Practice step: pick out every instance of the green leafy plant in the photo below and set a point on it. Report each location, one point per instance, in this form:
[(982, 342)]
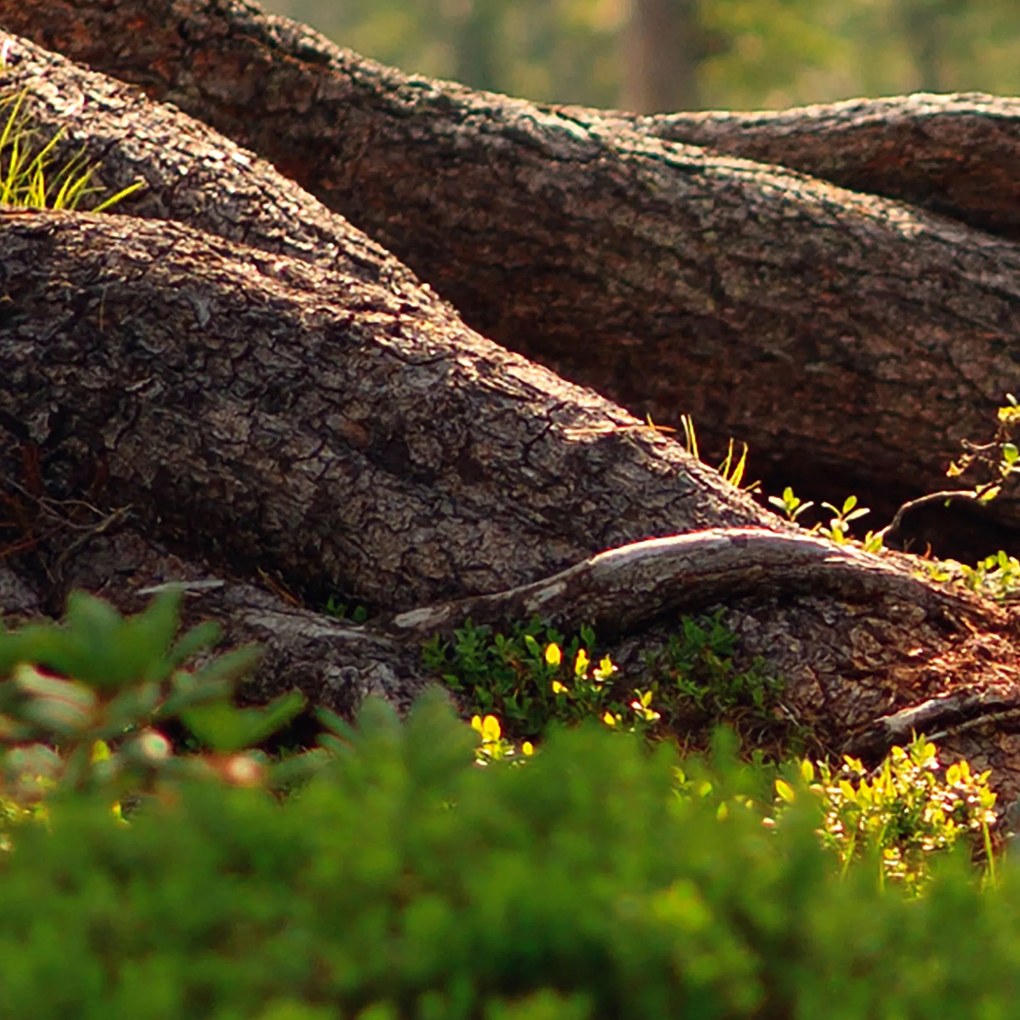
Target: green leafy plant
[(534, 676), (790, 505), (904, 811), (996, 576), (31, 175), (998, 460), (82, 703), (404, 881), (353, 612), (698, 683)]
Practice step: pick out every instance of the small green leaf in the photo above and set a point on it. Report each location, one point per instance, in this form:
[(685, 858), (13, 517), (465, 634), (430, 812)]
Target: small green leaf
[(227, 729)]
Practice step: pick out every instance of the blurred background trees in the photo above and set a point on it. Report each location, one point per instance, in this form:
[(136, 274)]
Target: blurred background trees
[(658, 55)]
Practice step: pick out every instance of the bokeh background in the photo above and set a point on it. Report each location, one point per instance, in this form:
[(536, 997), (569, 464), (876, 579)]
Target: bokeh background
[(658, 55)]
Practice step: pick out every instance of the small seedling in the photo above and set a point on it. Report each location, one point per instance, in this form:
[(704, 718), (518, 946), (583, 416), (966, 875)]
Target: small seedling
[(351, 612), (838, 528), (790, 505), (732, 467)]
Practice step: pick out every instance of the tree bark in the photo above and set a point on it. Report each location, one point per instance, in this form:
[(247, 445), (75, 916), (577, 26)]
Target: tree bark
[(952, 154), (235, 391), (321, 426), (853, 342), (247, 418)]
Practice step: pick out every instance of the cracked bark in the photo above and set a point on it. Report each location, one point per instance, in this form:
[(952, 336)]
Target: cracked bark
[(952, 154), (273, 395), (322, 426), (853, 341)]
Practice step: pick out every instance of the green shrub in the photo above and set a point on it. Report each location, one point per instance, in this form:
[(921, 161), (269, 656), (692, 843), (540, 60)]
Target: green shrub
[(698, 683), (403, 881), (602, 879), (534, 675), (84, 701), (906, 811)]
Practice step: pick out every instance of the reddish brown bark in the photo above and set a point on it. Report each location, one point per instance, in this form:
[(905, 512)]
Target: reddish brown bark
[(952, 154)]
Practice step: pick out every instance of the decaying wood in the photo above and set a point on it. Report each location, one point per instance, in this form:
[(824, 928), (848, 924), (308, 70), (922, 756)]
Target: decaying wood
[(847, 338)]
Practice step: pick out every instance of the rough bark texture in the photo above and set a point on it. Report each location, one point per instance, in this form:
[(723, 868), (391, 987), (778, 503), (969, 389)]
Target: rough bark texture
[(953, 154), (351, 441), (852, 341), (242, 391), (219, 399), (191, 173), (334, 664)]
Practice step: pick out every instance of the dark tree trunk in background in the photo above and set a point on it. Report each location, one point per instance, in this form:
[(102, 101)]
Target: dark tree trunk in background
[(230, 384), (660, 56), (928, 26), (852, 341), (478, 45)]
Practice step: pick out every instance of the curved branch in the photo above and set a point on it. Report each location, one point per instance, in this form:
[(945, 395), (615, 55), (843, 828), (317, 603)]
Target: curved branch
[(952, 713), (621, 588)]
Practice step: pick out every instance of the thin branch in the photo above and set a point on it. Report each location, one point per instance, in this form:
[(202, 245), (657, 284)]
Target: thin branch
[(945, 496)]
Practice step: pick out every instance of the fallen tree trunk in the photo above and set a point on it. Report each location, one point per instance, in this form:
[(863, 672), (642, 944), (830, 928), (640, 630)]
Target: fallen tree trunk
[(853, 342), (239, 411)]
